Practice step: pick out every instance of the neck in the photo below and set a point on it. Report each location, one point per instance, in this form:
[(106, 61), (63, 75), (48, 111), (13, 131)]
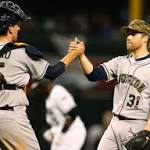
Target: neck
[(5, 39), (141, 52)]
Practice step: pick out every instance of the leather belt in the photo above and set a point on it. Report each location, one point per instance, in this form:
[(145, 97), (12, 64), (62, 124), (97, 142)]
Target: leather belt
[(10, 108), (125, 118), (8, 87)]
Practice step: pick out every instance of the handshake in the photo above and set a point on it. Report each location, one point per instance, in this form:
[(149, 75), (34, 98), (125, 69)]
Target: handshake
[(76, 49), (77, 46)]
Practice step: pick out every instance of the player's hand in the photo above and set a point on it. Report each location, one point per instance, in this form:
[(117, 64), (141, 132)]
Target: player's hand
[(58, 138), (48, 135), (77, 46)]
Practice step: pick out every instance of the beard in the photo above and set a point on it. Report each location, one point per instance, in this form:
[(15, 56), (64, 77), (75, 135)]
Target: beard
[(130, 48)]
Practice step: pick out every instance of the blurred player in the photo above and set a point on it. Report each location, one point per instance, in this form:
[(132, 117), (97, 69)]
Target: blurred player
[(19, 63), (132, 91), (67, 130)]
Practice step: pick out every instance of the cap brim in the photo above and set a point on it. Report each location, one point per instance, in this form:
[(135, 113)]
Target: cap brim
[(126, 29)]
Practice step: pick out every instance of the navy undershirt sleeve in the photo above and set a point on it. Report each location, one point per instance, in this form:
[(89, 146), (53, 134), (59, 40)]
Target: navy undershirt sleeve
[(98, 73), (53, 71)]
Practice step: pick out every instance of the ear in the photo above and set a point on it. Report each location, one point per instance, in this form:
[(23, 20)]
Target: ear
[(10, 29), (146, 38)]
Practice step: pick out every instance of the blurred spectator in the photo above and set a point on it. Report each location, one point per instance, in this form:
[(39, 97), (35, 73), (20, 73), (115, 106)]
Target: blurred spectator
[(80, 23), (102, 25)]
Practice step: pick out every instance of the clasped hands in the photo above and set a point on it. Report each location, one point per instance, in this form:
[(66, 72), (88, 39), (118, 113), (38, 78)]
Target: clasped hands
[(77, 46)]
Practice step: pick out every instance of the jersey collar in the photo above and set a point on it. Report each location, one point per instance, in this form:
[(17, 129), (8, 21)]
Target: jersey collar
[(145, 57)]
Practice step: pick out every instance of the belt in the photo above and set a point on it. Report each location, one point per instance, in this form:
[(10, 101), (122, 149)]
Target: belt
[(10, 108), (8, 87), (125, 118)]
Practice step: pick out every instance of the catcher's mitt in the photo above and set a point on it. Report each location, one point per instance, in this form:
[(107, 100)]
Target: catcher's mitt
[(139, 141)]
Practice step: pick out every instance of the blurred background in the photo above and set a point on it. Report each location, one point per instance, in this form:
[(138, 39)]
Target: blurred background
[(97, 23)]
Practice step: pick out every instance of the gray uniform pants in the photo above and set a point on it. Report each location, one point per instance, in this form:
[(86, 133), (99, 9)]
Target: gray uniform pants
[(118, 132), (16, 130)]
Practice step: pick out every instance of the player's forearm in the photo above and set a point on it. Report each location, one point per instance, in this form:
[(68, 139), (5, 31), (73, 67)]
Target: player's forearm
[(86, 65), (67, 60)]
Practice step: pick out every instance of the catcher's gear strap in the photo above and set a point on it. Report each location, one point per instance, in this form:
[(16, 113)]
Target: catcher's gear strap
[(53, 71), (98, 73), (8, 47), (30, 50), (33, 52)]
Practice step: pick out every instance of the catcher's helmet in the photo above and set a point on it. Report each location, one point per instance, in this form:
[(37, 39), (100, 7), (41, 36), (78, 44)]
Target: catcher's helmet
[(14, 8), (10, 14)]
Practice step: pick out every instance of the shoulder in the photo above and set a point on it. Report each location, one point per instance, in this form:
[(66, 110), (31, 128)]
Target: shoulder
[(32, 51), (119, 58), (122, 57), (11, 46)]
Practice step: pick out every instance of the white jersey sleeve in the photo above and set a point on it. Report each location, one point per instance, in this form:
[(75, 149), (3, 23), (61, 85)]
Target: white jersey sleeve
[(111, 67)]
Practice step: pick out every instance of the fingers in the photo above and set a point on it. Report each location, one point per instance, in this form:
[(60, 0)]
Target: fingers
[(48, 135), (77, 40), (77, 46), (72, 46)]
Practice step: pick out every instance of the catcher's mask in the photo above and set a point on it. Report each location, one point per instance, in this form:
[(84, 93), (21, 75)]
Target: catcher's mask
[(11, 14), (14, 8)]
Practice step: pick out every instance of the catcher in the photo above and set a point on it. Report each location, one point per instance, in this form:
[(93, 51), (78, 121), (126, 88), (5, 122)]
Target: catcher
[(20, 63)]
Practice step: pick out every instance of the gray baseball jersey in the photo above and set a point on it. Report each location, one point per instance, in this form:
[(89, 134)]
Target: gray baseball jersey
[(131, 99), (18, 69), (132, 91), (15, 126)]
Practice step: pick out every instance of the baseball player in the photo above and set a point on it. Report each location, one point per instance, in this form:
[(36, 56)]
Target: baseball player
[(67, 130), (131, 102), (19, 63)]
